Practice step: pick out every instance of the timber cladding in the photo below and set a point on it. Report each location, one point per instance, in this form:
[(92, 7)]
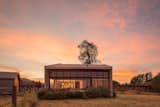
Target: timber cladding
[(6, 86), (8, 80), (9, 85), (78, 76)]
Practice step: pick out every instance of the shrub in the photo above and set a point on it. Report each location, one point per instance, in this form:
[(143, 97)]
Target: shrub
[(155, 83), (114, 95), (51, 94), (104, 92), (76, 94), (45, 94), (93, 92), (90, 92), (59, 94)]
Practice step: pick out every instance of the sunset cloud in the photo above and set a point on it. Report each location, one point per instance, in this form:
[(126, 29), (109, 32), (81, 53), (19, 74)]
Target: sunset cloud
[(124, 75), (34, 34)]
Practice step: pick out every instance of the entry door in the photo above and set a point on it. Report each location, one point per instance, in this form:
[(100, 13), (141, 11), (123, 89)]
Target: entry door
[(77, 84)]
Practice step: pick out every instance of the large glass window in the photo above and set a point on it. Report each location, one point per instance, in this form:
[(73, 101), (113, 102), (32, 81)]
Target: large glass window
[(67, 84)]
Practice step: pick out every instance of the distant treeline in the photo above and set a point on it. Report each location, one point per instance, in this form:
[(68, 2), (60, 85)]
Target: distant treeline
[(141, 82), (27, 84)]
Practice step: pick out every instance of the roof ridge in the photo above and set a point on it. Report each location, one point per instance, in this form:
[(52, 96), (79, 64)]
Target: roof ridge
[(78, 66)]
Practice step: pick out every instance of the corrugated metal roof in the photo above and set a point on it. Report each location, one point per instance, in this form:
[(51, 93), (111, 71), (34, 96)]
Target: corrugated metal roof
[(78, 66), (9, 75)]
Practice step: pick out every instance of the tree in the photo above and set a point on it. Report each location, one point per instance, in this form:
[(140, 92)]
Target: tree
[(154, 83), (141, 78), (148, 76), (116, 84), (88, 53)]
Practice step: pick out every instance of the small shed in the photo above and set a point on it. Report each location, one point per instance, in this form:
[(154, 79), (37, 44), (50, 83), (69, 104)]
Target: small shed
[(78, 76), (8, 80)]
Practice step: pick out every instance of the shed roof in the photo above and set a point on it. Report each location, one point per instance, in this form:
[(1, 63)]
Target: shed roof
[(78, 66), (9, 75)]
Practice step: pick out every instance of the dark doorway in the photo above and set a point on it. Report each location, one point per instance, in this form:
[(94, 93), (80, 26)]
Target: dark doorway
[(77, 84)]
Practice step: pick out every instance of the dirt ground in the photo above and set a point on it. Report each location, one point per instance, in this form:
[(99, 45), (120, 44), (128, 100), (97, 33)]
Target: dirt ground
[(122, 100)]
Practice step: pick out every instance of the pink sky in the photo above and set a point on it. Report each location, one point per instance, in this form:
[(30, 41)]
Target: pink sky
[(34, 34)]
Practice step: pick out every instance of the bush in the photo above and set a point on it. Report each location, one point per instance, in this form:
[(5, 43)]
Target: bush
[(114, 95), (51, 94), (77, 94), (104, 92), (155, 83), (93, 92), (90, 92), (45, 94), (59, 94)]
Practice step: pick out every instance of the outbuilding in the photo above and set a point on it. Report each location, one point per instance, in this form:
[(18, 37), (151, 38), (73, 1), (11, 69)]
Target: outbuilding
[(78, 76), (8, 80)]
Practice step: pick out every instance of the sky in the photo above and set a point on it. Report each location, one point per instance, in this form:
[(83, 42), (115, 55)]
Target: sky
[(35, 33)]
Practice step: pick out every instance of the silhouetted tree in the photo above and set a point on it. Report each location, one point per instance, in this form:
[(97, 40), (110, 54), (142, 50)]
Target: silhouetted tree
[(116, 84), (88, 53), (148, 76), (141, 78)]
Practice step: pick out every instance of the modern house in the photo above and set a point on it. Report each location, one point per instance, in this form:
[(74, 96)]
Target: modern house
[(8, 80), (78, 76)]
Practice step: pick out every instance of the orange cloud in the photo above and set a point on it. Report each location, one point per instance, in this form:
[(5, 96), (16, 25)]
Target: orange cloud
[(31, 53), (129, 49), (104, 16), (29, 39), (39, 46), (8, 69), (4, 68), (123, 75)]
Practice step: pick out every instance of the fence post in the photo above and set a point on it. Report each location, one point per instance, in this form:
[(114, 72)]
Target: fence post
[(14, 96)]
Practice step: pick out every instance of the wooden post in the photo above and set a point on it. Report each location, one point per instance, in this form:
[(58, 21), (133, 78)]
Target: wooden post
[(47, 79), (90, 84), (110, 83), (14, 96), (55, 84)]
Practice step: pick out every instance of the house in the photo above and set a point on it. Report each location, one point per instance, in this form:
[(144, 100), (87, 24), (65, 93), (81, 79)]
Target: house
[(8, 80), (78, 76)]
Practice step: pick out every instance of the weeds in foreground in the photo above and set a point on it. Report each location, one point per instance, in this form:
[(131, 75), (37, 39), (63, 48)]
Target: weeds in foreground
[(28, 100)]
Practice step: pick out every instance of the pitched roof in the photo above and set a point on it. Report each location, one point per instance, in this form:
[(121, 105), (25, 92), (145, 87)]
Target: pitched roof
[(9, 75), (78, 66)]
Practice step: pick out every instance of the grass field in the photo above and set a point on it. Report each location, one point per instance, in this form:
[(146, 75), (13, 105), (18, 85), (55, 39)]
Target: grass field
[(122, 100), (5, 100)]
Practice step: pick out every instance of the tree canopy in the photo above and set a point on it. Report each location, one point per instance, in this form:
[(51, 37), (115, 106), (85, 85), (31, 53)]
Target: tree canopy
[(88, 52), (141, 78)]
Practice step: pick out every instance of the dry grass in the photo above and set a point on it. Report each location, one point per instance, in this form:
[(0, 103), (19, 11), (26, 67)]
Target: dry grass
[(122, 100), (27, 100), (5, 101)]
